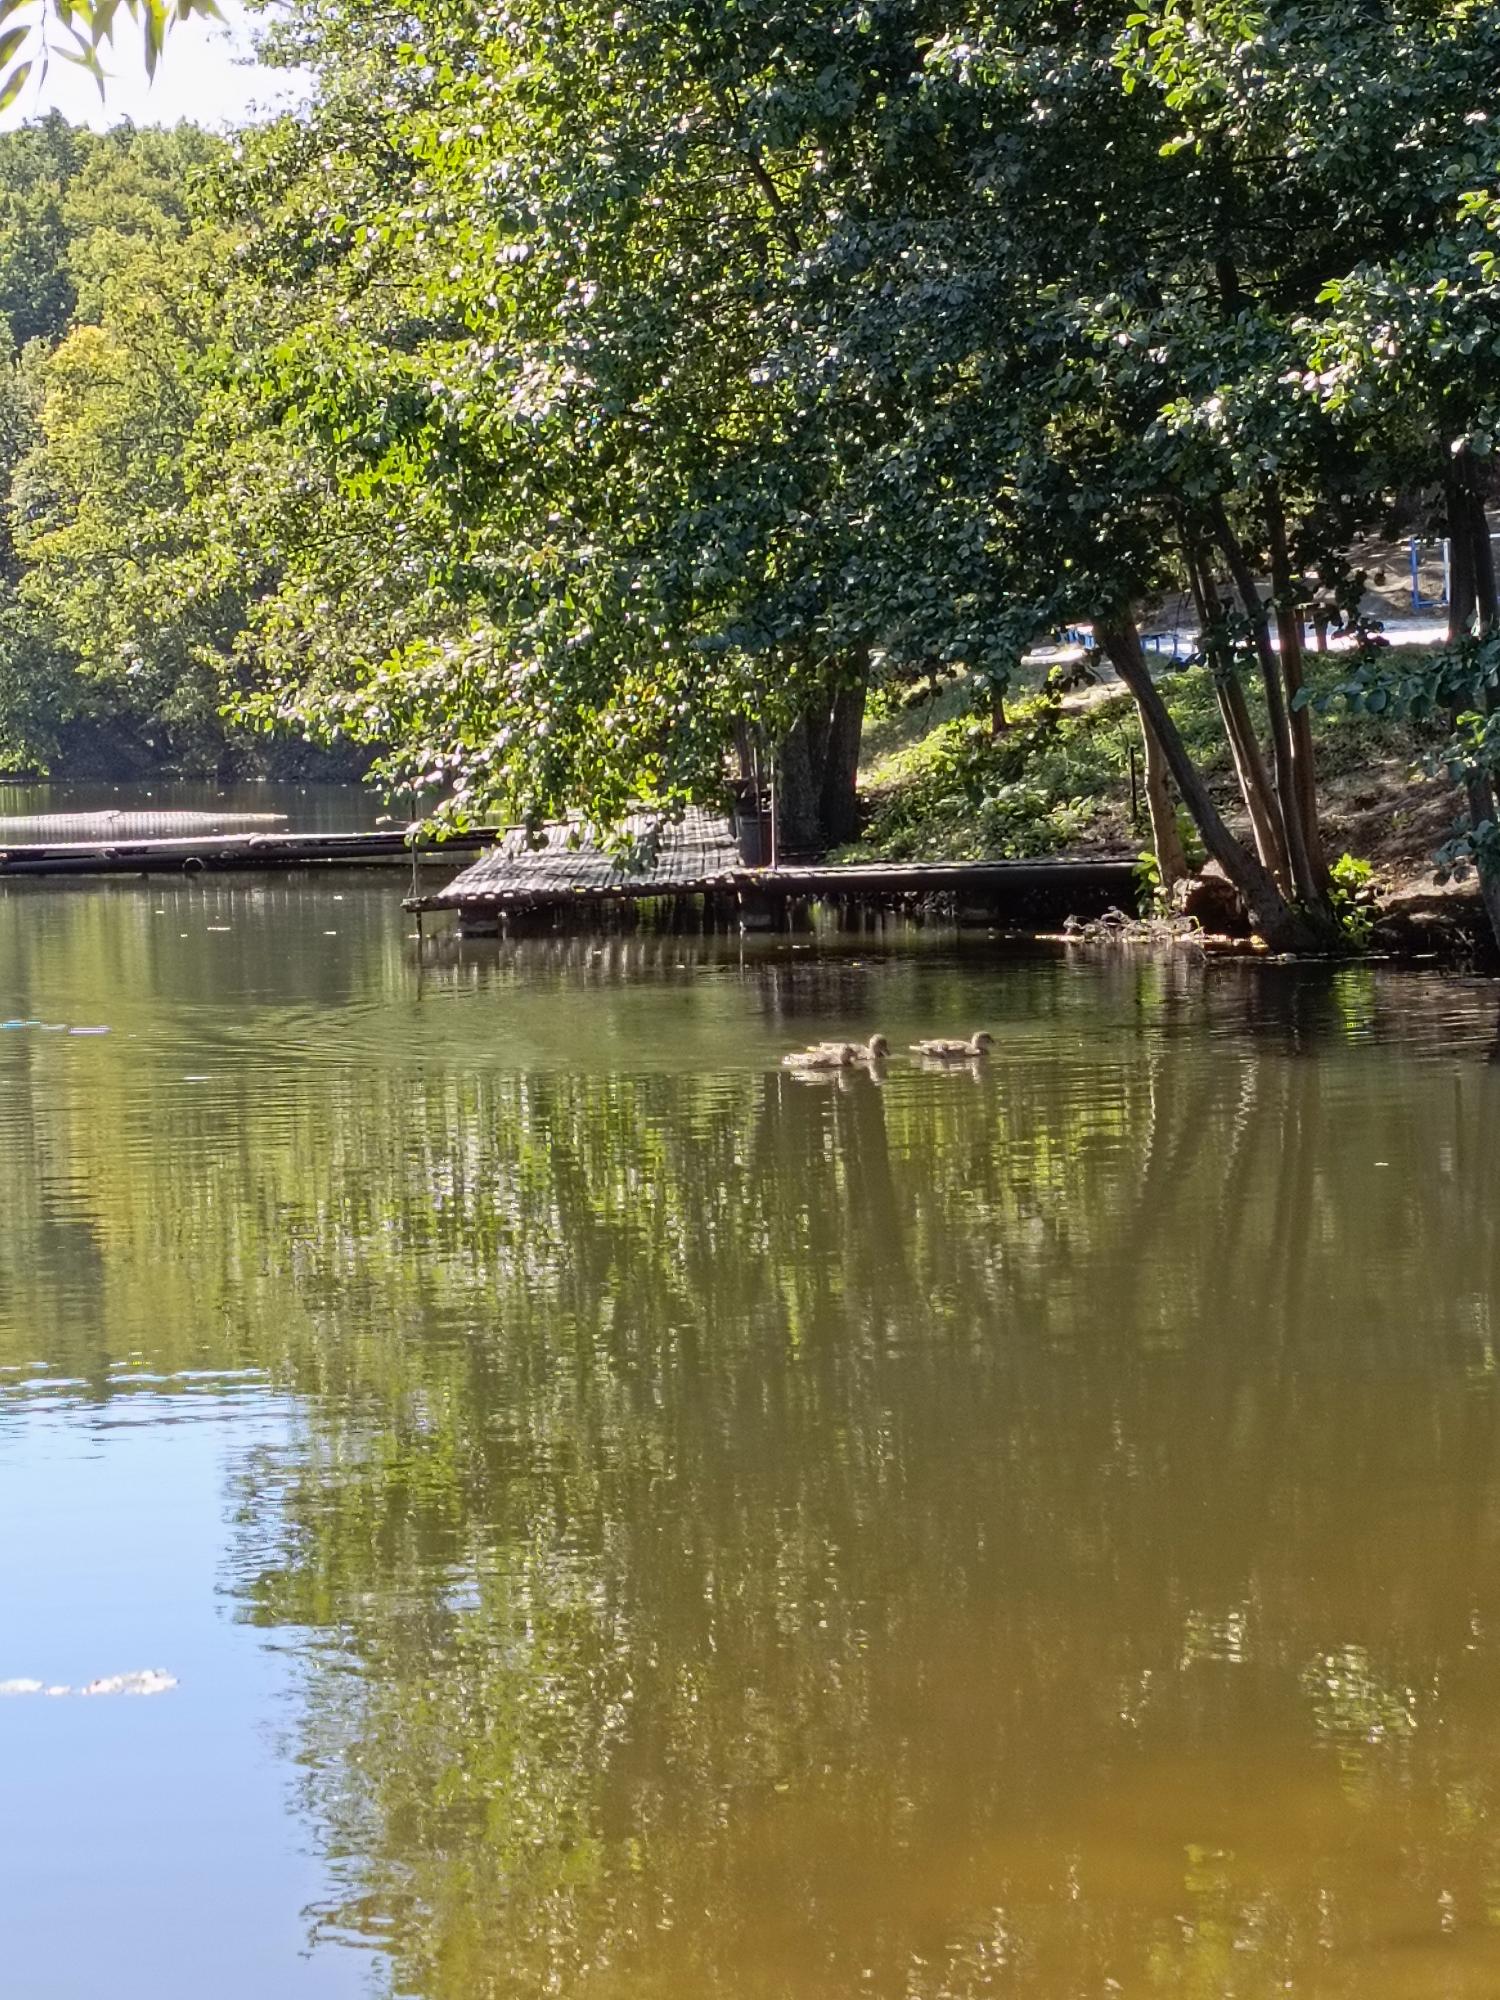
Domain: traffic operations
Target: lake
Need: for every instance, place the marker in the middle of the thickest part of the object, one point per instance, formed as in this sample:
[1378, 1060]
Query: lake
[626, 1522]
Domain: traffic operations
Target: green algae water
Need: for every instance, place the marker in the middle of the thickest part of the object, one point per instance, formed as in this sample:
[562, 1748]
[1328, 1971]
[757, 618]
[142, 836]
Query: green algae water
[621, 1521]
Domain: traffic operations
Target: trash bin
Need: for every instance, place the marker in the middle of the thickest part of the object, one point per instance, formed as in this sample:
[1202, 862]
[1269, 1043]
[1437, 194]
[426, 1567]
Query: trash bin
[752, 832]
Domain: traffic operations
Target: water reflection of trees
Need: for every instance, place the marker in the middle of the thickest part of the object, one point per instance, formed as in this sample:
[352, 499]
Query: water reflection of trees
[820, 1522]
[972, 1535]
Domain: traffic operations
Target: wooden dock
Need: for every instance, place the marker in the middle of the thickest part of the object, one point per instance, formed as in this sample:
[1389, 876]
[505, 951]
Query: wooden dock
[122, 823]
[682, 874]
[688, 874]
[196, 853]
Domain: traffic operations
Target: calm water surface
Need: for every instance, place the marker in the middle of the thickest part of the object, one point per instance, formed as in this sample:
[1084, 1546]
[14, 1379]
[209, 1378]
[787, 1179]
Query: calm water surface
[627, 1523]
[309, 808]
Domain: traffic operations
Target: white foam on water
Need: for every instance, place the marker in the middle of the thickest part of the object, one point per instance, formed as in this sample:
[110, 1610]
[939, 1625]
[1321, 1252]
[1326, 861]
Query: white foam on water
[148, 1680]
[151, 1680]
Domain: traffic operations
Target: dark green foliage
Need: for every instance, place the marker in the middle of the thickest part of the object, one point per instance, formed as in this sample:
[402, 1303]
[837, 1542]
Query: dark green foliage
[37, 166]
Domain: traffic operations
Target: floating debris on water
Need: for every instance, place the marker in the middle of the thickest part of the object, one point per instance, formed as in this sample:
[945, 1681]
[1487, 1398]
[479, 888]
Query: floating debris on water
[52, 1027]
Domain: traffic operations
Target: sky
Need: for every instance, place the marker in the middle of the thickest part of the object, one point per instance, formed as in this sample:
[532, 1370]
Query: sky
[206, 75]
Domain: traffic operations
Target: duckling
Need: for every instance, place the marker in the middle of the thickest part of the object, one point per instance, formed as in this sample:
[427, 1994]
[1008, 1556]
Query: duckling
[827, 1055]
[875, 1050]
[940, 1051]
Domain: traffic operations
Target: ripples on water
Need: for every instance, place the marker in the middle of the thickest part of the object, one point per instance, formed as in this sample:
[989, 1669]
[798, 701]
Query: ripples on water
[628, 1522]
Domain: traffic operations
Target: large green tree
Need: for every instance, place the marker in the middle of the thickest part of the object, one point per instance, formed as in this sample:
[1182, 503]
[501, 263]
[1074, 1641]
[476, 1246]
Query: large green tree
[98, 499]
[101, 410]
[542, 305]
[693, 365]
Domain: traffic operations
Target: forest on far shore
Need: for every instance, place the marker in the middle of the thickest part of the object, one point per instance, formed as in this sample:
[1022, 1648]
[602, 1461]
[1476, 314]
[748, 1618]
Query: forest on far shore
[105, 339]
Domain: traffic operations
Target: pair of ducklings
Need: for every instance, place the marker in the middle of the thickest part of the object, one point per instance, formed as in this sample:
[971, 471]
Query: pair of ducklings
[844, 1055]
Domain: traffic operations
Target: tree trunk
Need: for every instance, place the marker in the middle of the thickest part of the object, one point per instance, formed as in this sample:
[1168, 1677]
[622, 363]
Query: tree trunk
[1289, 631]
[1166, 841]
[1480, 792]
[1283, 927]
[1239, 727]
[1486, 599]
[1461, 583]
[1472, 600]
[815, 720]
[799, 823]
[1304, 882]
[840, 796]
[1254, 778]
[818, 767]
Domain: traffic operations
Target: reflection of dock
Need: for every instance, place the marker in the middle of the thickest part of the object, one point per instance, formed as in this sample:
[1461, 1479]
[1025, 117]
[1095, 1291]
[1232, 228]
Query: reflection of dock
[688, 874]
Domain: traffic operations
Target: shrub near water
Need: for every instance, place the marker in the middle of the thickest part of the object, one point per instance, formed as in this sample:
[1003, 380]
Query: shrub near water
[1047, 782]
[1353, 899]
[1055, 777]
[939, 784]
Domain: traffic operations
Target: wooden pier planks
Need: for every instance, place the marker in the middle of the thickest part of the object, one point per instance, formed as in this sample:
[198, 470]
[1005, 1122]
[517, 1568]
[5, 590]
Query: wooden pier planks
[559, 864]
[485, 886]
[563, 876]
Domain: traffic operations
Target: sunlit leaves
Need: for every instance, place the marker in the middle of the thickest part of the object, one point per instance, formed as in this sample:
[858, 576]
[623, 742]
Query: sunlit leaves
[78, 30]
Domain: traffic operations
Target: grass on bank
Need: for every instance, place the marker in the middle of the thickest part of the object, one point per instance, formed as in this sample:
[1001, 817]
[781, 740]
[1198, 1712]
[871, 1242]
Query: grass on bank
[939, 785]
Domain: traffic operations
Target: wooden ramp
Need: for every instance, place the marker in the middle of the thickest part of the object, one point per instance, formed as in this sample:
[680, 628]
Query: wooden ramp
[559, 864]
[689, 873]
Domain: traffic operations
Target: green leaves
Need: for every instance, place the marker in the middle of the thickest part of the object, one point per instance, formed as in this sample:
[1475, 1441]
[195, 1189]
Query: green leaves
[77, 30]
[15, 80]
